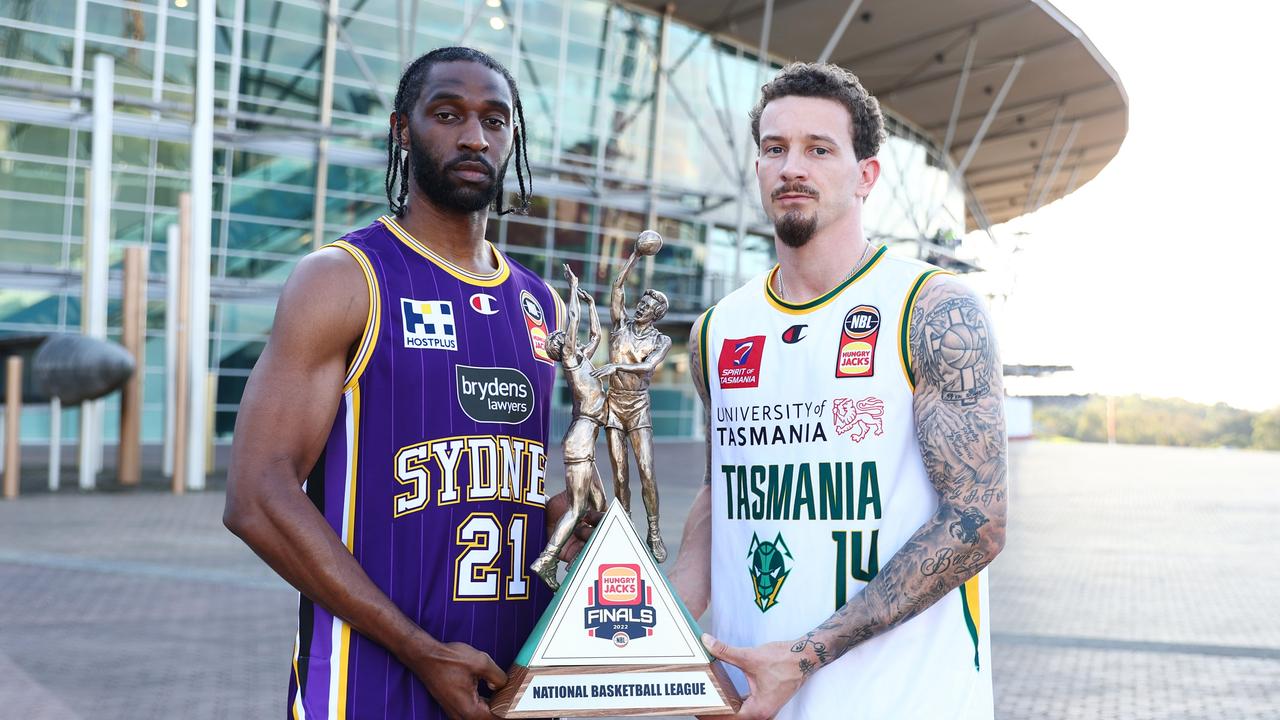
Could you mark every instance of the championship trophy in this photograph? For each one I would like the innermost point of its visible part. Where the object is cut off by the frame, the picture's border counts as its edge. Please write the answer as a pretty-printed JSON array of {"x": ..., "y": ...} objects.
[{"x": 616, "y": 639}]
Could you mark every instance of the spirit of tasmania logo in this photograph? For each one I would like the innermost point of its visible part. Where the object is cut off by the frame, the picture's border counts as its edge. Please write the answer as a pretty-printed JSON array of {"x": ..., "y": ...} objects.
[
  {"x": 620, "y": 605},
  {"x": 740, "y": 362},
  {"x": 768, "y": 571}
]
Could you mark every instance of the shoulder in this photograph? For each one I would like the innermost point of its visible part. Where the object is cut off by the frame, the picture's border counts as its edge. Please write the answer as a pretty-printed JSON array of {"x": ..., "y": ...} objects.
[
  {"x": 951, "y": 334},
  {"x": 326, "y": 299}
]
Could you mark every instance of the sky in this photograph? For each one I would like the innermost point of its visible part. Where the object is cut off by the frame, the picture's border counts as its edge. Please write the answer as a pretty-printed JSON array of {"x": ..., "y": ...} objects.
[{"x": 1158, "y": 276}]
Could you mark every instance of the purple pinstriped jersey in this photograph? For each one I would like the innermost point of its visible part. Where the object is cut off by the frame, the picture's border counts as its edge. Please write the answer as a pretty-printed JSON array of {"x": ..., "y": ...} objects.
[{"x": 434, "y": 472}]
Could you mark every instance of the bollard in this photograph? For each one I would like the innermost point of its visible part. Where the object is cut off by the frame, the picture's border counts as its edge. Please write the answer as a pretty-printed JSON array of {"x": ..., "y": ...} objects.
[{"x": 12, "y": 426}]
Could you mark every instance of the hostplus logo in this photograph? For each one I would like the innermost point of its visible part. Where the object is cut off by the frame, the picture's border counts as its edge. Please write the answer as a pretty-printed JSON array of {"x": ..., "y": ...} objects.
[{"x": 429, "y": 324}]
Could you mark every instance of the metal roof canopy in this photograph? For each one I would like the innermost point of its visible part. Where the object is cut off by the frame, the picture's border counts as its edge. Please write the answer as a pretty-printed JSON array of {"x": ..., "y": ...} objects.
[{"x": 1029, "y": 106}]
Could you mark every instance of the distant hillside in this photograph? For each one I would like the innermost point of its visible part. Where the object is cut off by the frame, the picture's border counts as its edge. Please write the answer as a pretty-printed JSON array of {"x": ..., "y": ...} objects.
[{"x": 1157, "y": 421}]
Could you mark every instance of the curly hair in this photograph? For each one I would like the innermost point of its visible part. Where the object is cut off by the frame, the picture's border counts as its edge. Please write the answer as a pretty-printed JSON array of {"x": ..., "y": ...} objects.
[
  {"x": 411, "y": 83},
  {"x": 834, "y": 83}
]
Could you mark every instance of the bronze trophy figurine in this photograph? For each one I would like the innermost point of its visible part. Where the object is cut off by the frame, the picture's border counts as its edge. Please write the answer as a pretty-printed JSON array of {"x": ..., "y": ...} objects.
[
  {"x": 590, "y": 411},
  {"x": 616, "y": 640},
  {"x": 636, "y": 349}
]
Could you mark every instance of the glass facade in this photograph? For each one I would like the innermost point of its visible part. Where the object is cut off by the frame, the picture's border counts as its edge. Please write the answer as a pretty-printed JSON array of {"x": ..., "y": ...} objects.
[{"x": 634, "y": 121}]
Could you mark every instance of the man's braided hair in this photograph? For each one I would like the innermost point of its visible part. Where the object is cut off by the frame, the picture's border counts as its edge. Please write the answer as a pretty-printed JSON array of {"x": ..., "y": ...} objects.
[{"x": 411, "y": 82}]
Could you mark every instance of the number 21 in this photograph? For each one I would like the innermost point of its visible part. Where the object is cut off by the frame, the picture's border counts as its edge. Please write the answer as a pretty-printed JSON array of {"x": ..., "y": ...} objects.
[{"x": 476, "y": 575}]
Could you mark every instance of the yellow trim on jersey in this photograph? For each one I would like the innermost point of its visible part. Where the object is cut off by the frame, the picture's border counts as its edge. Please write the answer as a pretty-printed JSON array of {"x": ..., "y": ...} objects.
[
  {"x": 971, "y": 602},
  {"x": 373, "y": 321},
  {"x": 822, "y": 300},
  {"x": 296, "y": 710},
  {"x": 490, "y": 280},
  {"x": 904, "y": 324},
  {"x": 348, "y": 539}
]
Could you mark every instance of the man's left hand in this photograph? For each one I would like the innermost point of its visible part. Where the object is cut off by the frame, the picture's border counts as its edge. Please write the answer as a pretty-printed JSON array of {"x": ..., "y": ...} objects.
[{"x": 772, "y": 670}]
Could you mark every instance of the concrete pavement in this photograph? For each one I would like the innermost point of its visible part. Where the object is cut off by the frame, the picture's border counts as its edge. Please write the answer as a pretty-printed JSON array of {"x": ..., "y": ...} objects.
[{"x": 1136, "y": 583}]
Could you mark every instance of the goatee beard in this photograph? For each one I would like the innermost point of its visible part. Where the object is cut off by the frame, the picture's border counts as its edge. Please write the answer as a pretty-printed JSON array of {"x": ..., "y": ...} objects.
[
  {"x": 794, "y": 228},
  {"x": 432, "y": 177}
]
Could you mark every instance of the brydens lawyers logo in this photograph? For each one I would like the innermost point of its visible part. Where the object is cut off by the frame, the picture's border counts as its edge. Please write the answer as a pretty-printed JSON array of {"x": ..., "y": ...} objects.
[
  {"x": 619, "y": 605},
  {"x": 740, "y": 362},
  {"x": 857, "y": 353},
  {"x": 536, "y": 323},
  {"x": 484, "y": 304},
  {"x": 429, "y": 324},
  {"x": 494, "y": 394}
]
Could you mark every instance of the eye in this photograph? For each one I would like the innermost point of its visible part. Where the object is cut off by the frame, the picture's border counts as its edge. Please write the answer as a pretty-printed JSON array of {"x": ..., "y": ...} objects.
[
  {"x": 821, "y": 151},
  {"x": 770, "y": 150},
  {"x": 496, "y": 122},
  {"x": 444, "y": 115}
]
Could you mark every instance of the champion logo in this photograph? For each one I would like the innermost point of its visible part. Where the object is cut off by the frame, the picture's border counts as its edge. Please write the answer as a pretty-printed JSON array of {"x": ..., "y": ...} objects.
[
  {"x": 793, "y": 334},
  {"x": 484, "y": 304}
]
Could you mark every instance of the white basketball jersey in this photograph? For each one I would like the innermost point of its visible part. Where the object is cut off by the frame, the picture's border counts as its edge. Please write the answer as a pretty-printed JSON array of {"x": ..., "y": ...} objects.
[{"x": 817, "y": 480}]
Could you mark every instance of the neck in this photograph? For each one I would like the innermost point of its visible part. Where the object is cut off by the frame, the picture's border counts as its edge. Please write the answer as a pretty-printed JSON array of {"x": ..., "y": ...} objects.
[
  {"x": 456, "y": 236},
  {"x": 824, "y": 262}
]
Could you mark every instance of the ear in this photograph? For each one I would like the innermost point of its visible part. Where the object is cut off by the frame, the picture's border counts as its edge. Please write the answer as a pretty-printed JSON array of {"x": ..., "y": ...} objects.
[
  {"x": 399, "y": 129},
  {"x": 868, "y": 173}
]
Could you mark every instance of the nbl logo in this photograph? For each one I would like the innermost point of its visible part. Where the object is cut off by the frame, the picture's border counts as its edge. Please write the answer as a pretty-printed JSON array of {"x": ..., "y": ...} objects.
[{"x": 619, "y": 605}]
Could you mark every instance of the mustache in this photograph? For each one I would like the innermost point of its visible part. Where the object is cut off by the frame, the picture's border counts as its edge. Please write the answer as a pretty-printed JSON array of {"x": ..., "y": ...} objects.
[
  {"x": 795, "y": 189},
  {"x": 479, "y": 159}
]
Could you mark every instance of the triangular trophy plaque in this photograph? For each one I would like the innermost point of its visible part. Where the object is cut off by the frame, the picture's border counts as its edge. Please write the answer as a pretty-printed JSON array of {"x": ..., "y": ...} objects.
[{"x": 616, "y": 640}]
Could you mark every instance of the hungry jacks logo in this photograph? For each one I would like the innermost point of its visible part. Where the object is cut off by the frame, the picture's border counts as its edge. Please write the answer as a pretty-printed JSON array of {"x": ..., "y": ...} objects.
[{"x": 619, "y": 605}]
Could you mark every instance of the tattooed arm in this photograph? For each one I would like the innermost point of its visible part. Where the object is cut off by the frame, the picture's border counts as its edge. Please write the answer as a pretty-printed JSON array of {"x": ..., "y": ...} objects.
[
  {"x": 959, "y": 415},
  {"x": 691, "y": 573}
]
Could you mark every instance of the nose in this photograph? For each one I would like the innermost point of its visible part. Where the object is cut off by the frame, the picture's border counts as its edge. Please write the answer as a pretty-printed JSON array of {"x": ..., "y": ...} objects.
[
  {"x": 793, "y": 168},
  {"x": 472, "y": 136}
]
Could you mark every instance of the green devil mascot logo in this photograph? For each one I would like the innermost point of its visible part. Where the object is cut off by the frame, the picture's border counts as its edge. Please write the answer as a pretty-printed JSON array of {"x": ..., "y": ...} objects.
[{"x": 768, "y": 571}]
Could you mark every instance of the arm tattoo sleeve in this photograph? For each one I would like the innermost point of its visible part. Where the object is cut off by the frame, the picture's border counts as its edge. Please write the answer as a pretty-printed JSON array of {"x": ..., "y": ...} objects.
[{"x": 959, "y": 413}]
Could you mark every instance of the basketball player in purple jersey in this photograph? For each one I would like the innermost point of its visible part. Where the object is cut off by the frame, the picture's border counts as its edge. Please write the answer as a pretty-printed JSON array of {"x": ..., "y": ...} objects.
[{"x": 389, "y": 456}]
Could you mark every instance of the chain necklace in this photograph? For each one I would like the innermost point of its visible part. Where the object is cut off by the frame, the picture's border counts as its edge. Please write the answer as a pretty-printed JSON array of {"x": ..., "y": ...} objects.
[{"x": 782, "y": 292}]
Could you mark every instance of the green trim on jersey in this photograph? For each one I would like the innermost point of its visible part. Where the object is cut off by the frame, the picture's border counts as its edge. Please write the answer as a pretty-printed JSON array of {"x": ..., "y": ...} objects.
[
  {"x": 973, "y": 628},
  {"x": 824, "y": 299},
  {"x": 703, "y": 332},
  {"x": 904, "y": 329}
]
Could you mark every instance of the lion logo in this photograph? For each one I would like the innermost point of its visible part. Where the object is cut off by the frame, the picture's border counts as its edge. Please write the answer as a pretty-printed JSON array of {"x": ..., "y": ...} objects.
[{"x": 858, "y": 418}]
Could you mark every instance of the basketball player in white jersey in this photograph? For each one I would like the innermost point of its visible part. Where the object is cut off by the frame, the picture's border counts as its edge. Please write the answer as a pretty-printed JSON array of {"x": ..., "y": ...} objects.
[{"x": 856, "y": 446}]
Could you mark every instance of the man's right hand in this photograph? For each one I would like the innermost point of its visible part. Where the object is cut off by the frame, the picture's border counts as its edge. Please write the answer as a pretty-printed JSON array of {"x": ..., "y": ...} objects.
[{"x": 451, "y": 672}]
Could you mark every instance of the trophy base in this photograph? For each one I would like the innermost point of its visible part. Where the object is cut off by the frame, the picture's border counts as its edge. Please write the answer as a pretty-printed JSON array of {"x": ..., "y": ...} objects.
[{"x": 605, "y": 690}]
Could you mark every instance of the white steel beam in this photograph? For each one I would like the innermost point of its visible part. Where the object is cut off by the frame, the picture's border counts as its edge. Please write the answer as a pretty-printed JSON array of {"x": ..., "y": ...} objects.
[
  {"x": 960, "y": 88},
  {"x": 838, "y": 33},
  {"x": 94, "y": 303},
  {"x": 201, "y": 226},
  {"x": 1057, "y": 164},
  {"x": 976, "y": 142},
  {"x": 1044, "y": 154}
]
